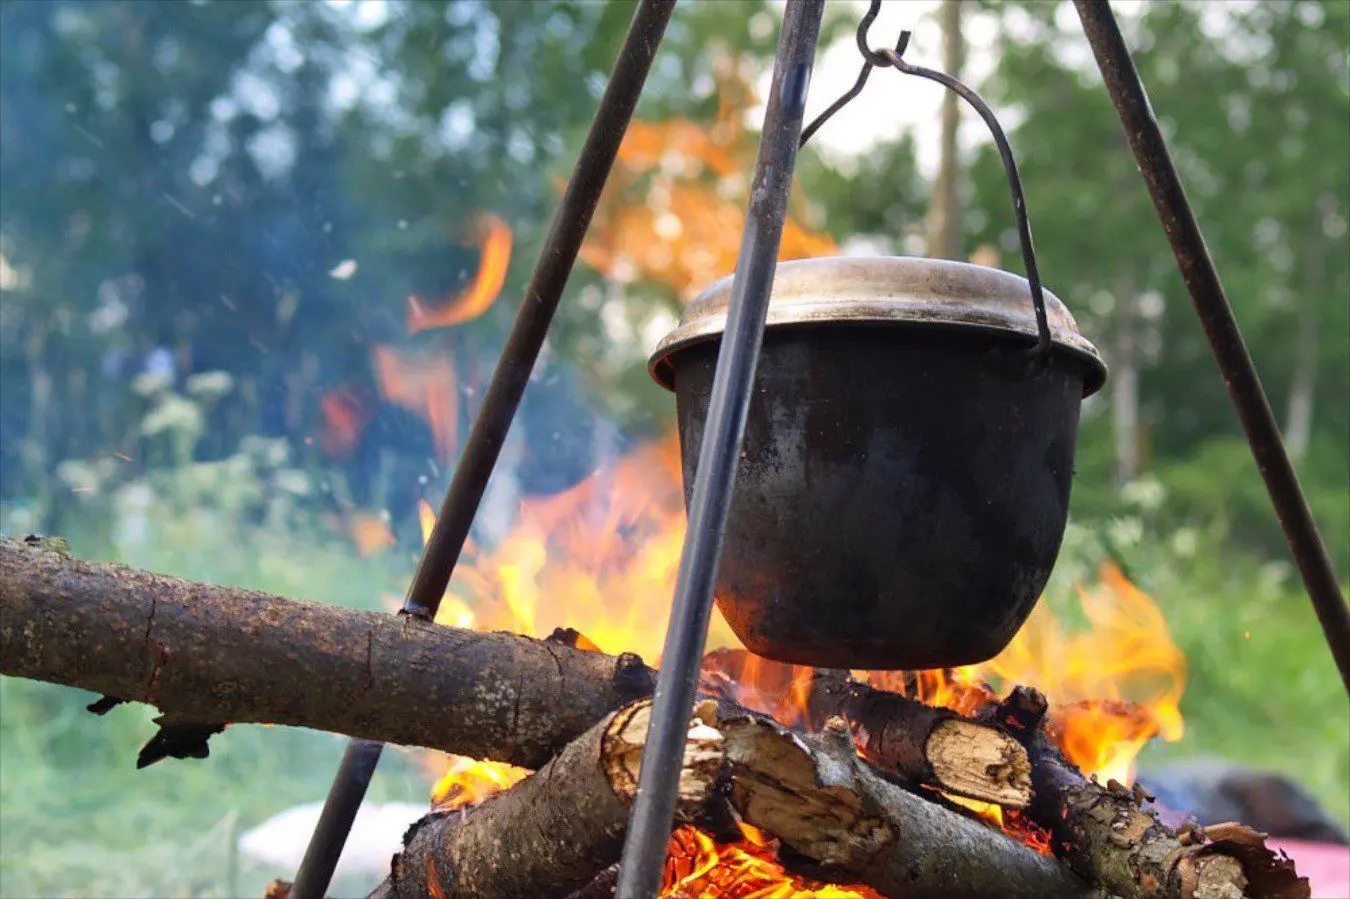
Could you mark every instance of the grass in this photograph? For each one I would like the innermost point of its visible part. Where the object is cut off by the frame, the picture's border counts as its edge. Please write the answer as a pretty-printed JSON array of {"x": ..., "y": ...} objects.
[{"x": 77, "y": 819}]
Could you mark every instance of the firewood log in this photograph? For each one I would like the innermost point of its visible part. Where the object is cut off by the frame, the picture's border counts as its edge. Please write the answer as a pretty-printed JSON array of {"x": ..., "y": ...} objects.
[
  {"x": 920, "y": 744},
  {"x": 556, "y": 830},
  {"x": 1103, "y": 833},
  {"x": 219, "y": 654},
  {"x": 216, "y": 654},
  {"x": 926, "y": 745}
]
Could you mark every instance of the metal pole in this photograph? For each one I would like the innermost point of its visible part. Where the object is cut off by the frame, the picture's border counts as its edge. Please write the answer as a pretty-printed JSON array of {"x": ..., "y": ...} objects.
[
  {"x": 335, "y": 821},
  {"x": 500, "y": 403},
  {"x": 644, "y": 850},
  {"x": 1216, "y": 316}
]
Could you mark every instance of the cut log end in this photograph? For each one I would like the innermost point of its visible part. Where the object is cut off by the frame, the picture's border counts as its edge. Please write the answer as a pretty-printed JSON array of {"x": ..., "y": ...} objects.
[
  {"x": 980, "y": 762},
  {"x": 626, "y": 737},
  {"x": 1216, "y": 877}
]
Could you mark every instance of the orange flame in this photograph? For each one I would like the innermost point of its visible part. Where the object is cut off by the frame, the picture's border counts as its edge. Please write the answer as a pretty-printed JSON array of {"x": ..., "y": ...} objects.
[
  {"x": 600, "y": 558},
  {"x": 676, "y": 201},
  {"x": 698, "y": 866},
  {"x": 1113, "y": 686},
  {"x": 370, "y": 533},
  {"x": 1116, "y": 684},
  {"x": 493, "y": 260},
  {"x": 426, "y": 385},
  {"x": 345, "y": 415}
]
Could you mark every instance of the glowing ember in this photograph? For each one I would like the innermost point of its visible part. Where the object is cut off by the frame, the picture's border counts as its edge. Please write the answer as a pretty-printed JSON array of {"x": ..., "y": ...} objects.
[{"x": 697, "y": 866}]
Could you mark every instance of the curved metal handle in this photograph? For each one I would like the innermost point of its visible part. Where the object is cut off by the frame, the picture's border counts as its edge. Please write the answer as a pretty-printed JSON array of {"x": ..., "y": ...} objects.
[
  {"x": 893, "y": 59},
  {"x": 1014, "y": 184}
]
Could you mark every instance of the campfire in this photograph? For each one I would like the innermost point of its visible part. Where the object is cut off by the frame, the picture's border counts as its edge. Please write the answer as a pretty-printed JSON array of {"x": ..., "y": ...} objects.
[
  {"x": 796, "y": 782},
  {"x": 1022, "y": 767},
  {"x": 595, "y": 564}
]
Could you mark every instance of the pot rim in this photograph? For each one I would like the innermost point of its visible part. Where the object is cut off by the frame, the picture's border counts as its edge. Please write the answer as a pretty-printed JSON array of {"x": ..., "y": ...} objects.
[{"x": 887, "y": 290}]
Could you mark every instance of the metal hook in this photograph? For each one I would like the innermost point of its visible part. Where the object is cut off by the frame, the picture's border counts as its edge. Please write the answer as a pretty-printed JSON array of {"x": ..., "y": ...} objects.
[
  {"x": 871, "y": 59},
  {"x": 893, "y": 58},
  {"x": 874, "y": 57}
]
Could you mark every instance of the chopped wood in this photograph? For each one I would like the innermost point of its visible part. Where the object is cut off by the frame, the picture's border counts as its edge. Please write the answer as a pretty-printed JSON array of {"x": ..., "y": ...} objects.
[
  {"x": 217, "y": 654},
  {"x": 556, "y": 830},
  {"x": 1103, "y": 833},
  {"x": 559, "y": 829},
  {"x": 818, "y": 797},
  {"x": 926, "y": 745}
]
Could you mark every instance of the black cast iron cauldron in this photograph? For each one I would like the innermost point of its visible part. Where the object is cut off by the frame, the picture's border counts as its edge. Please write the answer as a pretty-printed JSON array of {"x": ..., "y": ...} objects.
[{"x": 904, "y": 483}]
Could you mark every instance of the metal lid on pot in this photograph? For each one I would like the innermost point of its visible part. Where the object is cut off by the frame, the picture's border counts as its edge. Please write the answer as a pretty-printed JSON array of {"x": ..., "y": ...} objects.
[{"x": 887, "y": 290}]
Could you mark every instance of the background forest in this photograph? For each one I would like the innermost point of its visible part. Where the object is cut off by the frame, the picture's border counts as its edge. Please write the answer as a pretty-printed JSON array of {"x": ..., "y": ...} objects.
[{"x": 257, "y": 258}]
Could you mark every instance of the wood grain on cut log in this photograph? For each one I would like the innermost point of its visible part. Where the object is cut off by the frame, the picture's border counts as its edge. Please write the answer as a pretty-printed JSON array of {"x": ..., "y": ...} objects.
[
  {"x": 925, "y": 745},
  {"x": 554, "y": 831},
  {"x": 815, "y": 795},
  {"x": 1104, "y": 835},
  {"x": 217, "y": 654}
]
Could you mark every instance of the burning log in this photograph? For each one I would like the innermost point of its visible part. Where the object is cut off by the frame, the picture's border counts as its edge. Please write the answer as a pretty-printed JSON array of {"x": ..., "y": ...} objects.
[
  {"x": 816, "y": 795},
  {"x": 214, "y": 654},
  {"x": 550, "y": 834},
  {"x": 1103, "y": 833},
  {"x": 926, "y": 745},
  {"x": 208, "y": 654},
  {"x": 921, "y": 744}
]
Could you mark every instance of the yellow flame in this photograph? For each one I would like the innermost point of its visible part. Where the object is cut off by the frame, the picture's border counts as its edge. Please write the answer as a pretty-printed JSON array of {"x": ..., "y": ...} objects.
[
  {"x": 426, "y": 519},
  {"x": 697, "y": 865},
  {"x": 469, "y": 781},
  {"x": 1113, "y": 686},
  {"x": 600, "y": 558}
]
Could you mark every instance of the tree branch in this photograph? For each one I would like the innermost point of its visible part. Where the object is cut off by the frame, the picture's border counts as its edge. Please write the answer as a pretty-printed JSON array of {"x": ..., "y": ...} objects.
[{"x": 217, "y": 654}]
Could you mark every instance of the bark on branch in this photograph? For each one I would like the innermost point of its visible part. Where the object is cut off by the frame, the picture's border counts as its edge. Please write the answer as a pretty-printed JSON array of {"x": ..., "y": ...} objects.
[
  {"x": 550, "y": 834},
  {"x": 1104, "y": 834},
  {"x": 215, "y": 654},
  {"x": 926, "y": 745}
]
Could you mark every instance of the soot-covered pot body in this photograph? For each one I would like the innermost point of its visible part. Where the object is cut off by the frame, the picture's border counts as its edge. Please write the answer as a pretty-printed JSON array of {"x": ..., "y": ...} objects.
[{"x": 904, "y": 482}]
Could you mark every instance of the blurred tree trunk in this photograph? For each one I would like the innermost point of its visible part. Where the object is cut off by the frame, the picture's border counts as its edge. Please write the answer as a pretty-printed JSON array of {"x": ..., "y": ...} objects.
[
  {"x": 34, "y": 451},
  {"x": 944, "y": 211},
  {"x": 1303, "y": 386},
  {"x": 1125, "y": 381}
]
